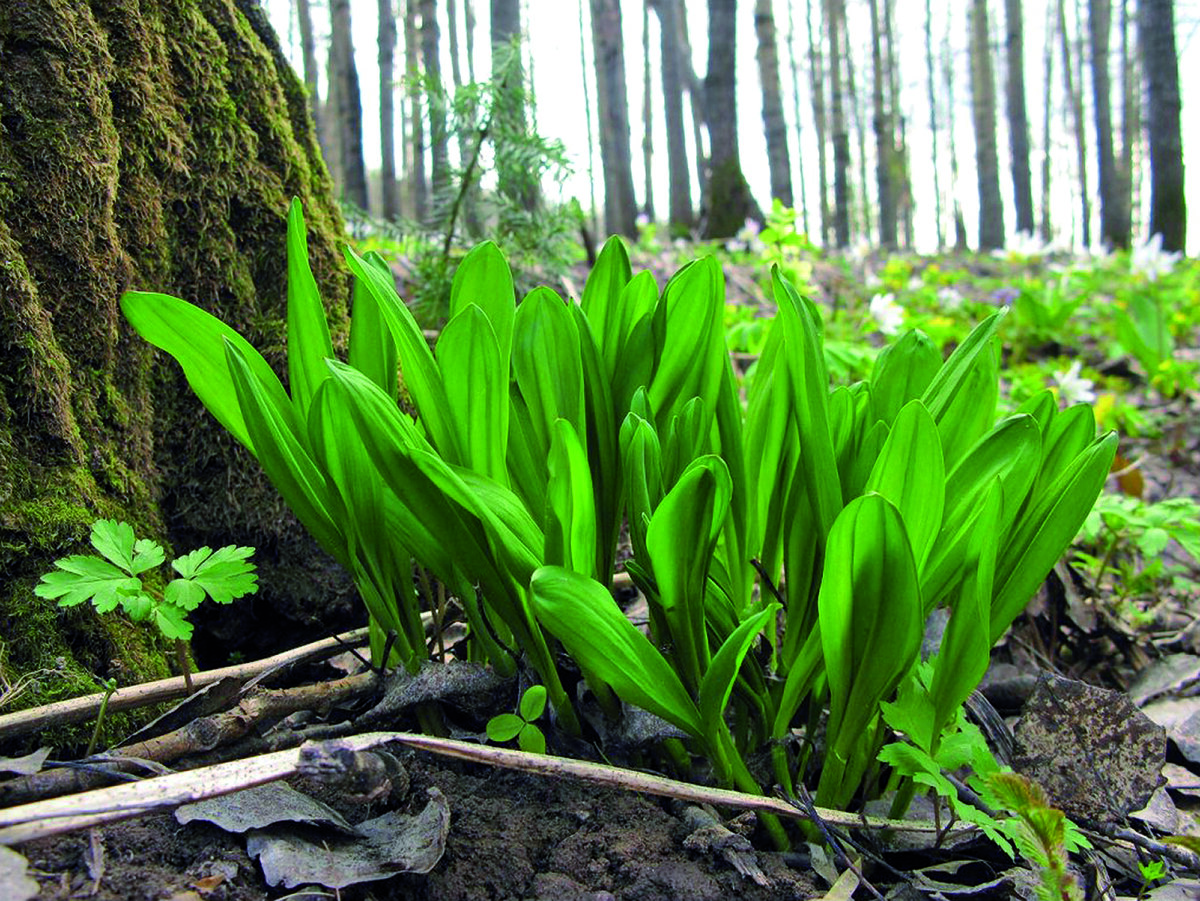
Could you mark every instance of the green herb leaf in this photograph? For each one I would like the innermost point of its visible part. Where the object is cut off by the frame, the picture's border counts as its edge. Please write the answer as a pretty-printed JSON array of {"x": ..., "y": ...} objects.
[
  {"x": 533, "y": 702},
  {"x": 172, "y": 622},
  {"x": 224, "y": 574},
  {"x": 115, "y": 541},
  {"x": 80, "y": 577},
  {"x": 504, "y": 727}
]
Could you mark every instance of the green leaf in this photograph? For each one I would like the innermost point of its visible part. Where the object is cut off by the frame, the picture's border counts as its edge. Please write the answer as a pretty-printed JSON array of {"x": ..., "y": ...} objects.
[
  {"x": 139, "y": 606},
  {"x": 680, "y": 540},
  {"x": 478, "y": 394},
  {"x": 903, "y": 370},
  {"x": 422, "y": 377},
  {"x": 224, "y": 574},
  {"x": 533, "y": 702},
  {"x": 504, "y": 727},
  {"x": 172, "y": 622},
  {"x": 372, "y": 347},
  {"x": 1046, "y": 529},
  {"x": 115, "y": 541},
  {"x": 871, "y": 614},
  {"x": 281, "y": 451},
  {"x": 80, "y": 578},
  {"x": 147, "y": 554},
  {"x": 910, "y": 473},
  {"x": 547, "y": 365},
  {"x": 531, "y": 740},
  {"x": 717, "y": 684},
  {"x": 583, "y": 616},
  {"x": 483, "y": 279},
  {"x": 601, "y": 300},
  {"x": 570, "y": 505},
  {"x": 184, "y": 593},
  {"x": 197, "y": 341},
  {"x": 307, "y": 329}
]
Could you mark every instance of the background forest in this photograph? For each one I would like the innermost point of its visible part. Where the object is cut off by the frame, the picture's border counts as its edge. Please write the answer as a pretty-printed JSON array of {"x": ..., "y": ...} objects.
[{"x": 902, "y": 125}]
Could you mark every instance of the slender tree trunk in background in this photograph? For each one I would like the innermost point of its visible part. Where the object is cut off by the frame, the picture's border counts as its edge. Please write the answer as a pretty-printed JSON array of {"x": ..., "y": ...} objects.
[
  {"x": 816, "y": 82},
  {"x": 505, "y": 28},
  {"x": 1114, "y": 230},
  {"x": 1131, "y": 127},
  {"x": 834, "y": 19},
  {"x": 730, "y": 203},
  {"x": 960, "y": 225},
  {"x": 308, "y": 52},
  {"x": 388, "y": 190},
  {"x": 774, "y": 122},
  {"x": 901, "y": 182},
  {"x": 439, "y": 141},
  {"x": 680, "y": 179},
  {"x": 795, "y": 70},
  {"x": 1047, "y": 82},
  {"x": 1075, "y": 99},
  {"x": 983, "y": 117},
  {"x": 1018, "y": 121},
  {"x": 469, "y": 28},
  {"x": 417, "y": 178},
  {"x": 933, "y": 125},
  {"x": 695, "y": 91},
  {"x": 593, "y": 212},
  {"x": 620, "y": 204},
  {"x": 1160, "y": 64},
  {"x": 881, "y": 119},
  {"x": 647, "y": 115},
  {"x": 860, "y": 134},
  {"x": 452, "y": 36},
  {"x": 331, "y": 142},
  {"x": 354, "y": 169}
]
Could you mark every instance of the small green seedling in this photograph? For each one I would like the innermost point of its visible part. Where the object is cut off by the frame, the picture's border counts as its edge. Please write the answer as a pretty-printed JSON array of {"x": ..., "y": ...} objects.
[
  {"x": 116, "y": 581},
  {"x": 507, "y": 726},
  {"x": 1151, "y": 872}
]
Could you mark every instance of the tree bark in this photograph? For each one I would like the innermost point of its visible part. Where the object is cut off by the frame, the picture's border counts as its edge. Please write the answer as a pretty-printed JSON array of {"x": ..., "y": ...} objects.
[
  {"x": 417, "y": 179},
  {"x": 1075, "y": 99},
  {"x": 1130, "y": 120},
  {"x": 647, "y": 115},
  {"x": 835, "y": 14},
  {"x": 983, "y": 117},
  {"x": 150, "y": 146},
  {"x": 679, "y": 184},
  {"x": 901, "y": 180},
  {"x": 349, "y": 118},
  {"x": 308, "y": 53},
  {"x": 730, "y": 203},
  {"x": 774, "y": 124},
  {"x": 1047, "y": 84},
  {"x": 593, "y": 209},
  {"x": 1114, "y": 230},
  {"x": 816, "y": 81},
  {"x": 506, "y": 40},
  {"x": 1160, "y": 63},
  {"x": 960, "y": 225},
  {"x": 1018, "y": 121},
  {"x": 860, "y": 135},
  {"x": 933, "y": 125},
  {"x": 795, "y": 70},
  {"x": 389, "y": 194},
  {"x": 433, "y": 91},
  {"x": 620, "y": 205},
  {"x": 884, "y": 139}
]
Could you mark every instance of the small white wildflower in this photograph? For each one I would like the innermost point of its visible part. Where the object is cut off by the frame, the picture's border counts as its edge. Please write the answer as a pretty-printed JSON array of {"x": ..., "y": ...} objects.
[
  {"x": 859, "y": 250},
  {"x": 872, "y": 279},
  {"x": 1072, "y": 388},
  {"x": 1151, "y": 260},
  {"x": 949, "y": 298},
  {"x": 888, "y": 314},
  {"x": 642, "y": 220},
  {"x": 748, "y": 236}
]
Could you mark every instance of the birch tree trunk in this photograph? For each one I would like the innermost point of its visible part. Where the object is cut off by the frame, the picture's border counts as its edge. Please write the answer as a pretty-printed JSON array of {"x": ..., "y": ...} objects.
[
  {"x": 774, "y": 123},
  {"x": 349, "y": 113},
  {"x": 884, "y": 140},
  {"x": 389, "y": 194},
  {"x": 679, "y": 184},
  {"x": 983, "y": 117},
  {"x": 620, "y": 205},
  {"x": 1018, "y": 121},
  {"x": 730, "y": 203},
  {"x": 1160, "y": 63}
]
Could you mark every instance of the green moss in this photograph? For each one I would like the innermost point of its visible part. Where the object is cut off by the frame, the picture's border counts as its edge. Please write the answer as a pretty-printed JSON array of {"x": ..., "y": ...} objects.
[{"x": 154, "y": 145}]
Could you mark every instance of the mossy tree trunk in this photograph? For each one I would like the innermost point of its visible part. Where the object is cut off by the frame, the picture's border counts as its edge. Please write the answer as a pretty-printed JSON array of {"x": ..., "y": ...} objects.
[{"x": 154, "y": 145}]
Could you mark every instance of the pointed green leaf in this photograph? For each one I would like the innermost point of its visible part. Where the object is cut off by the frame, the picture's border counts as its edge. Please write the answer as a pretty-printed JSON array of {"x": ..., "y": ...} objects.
[
  {"x": 307, "y": 328},
  {"x": 478, "y": 394},
  {"x": 903, "y": 370},
  {"x": 717, "y": 684},
  {"x": 570, "y": 506},
  {"x": 372, "y": 347}
]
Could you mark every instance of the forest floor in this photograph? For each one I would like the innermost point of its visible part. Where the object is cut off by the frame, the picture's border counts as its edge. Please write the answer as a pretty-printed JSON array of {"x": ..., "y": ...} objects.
[{"x": 522, "y": 836}]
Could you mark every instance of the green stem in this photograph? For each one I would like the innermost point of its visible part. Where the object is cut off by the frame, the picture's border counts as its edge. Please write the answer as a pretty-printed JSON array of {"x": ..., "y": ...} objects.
[
  {"x": 185, "y": 667},
  {"x": 110, "y": 688}
]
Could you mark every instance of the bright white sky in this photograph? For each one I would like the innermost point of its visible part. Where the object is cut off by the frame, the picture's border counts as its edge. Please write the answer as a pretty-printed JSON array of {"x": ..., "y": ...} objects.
[{"x": 553, "y": 29}]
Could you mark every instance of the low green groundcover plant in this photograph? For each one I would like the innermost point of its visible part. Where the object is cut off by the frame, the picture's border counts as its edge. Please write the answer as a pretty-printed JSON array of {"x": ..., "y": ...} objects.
[
  {"x": 117, "y": 579},
  {"x": 791, "y": 544}
]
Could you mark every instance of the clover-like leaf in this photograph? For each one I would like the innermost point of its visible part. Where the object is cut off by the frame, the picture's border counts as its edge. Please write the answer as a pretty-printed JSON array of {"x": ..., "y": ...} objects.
[
  {"x": 504, "y": 727},
  {"x": 172, "y": 622},
  {"x": 533, "y": 703},
  {"x": 115, "y": 541},
  {"x": 147, "y": 554},
  {"x": 224, "y": 574},
  {"x": 82, "y": 577},
  {"x": 184, "y": 594}
]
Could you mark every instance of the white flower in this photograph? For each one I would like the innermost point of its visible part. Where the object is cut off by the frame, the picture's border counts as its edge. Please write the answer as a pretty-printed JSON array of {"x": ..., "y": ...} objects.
[
  {"x": 1073, "y": 389},
  {"x": 872, "y": 279},
  {"x": 1024, "y": 244},
  {"x": 1150, "y": 259},
  {"x": 642, "y": 220},
  {"x": 747, "y": 238},
  {"x": 888, "y": 314},
  {"x": 949, "y": 298}
]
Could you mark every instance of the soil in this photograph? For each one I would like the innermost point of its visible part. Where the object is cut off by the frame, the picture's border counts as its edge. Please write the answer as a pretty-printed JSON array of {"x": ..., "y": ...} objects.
[{"x": 512, "y": 836}]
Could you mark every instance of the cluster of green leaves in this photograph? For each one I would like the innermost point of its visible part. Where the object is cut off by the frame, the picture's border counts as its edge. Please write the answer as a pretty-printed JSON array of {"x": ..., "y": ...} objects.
[
  {"x": 541, "y": 427},
  {"x": 522, "y": 724},
  {"x": 1128, "y": 537},
  {"x": 116, "y": 579}
]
